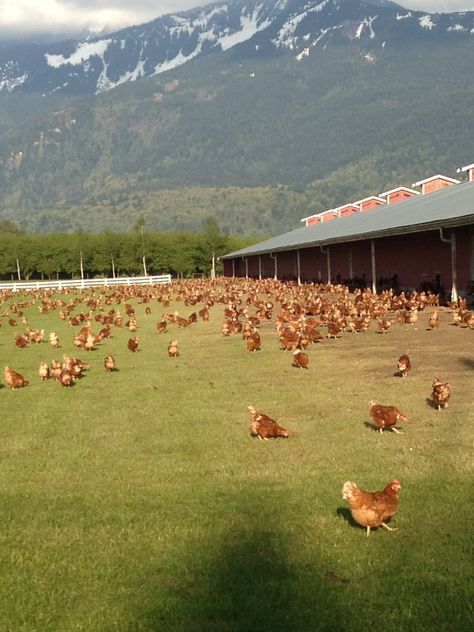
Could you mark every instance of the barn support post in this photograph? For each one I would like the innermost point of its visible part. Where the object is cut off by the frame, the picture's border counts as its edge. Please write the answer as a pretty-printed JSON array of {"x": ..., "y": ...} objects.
[
  {"x": 246, "y": 266},
  {"x": 259, "y": 267},
  {"x": 454, "y": 273},
  {"x": 374, "y": 267},
  {"x": 454, "y": 268},
  {"x": 275, "y": 259},
  {"x": 298, "y": 267},
  {"x": 233, "y": 268},
  {"x": 351, "y": 264}
]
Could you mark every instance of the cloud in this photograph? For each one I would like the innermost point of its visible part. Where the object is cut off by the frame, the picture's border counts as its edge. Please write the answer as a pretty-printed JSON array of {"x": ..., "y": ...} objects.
[
  {"x": 30, "y": 16},
  {"x": 53, "y": 15},
  {"x": 438, "y": 6}
]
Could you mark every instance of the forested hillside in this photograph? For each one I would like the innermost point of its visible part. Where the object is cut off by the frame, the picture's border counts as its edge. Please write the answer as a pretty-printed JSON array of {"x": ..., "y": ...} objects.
[{"x": 255, "y": 143}]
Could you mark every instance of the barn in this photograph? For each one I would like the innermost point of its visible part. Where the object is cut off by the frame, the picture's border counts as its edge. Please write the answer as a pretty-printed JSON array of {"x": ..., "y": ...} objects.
[{"x": 403, "y": 238}]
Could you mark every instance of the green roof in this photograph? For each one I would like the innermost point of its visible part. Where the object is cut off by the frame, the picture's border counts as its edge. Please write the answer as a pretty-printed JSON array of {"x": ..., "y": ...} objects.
[{"x": 451, "y": 206}]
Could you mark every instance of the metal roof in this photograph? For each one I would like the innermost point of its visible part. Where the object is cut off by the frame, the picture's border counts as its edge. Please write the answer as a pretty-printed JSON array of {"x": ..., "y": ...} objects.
[{"x": 451, "y": 206}]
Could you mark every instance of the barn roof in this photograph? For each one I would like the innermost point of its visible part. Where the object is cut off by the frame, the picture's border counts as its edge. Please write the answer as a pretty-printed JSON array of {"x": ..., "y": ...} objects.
[{"x": 452, "y": 206}]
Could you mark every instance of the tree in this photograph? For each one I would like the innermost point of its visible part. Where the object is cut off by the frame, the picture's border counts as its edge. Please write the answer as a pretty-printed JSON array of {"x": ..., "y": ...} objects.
[{"x": 211, "y": 245}]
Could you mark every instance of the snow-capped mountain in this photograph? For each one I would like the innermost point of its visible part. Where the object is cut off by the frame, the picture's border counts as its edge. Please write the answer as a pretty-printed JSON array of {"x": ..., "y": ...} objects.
[{"x": 99, "y": 64}]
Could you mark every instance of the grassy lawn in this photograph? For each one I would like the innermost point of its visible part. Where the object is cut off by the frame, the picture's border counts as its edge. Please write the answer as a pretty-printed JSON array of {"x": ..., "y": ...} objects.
[{"x": 137, "y": 500}]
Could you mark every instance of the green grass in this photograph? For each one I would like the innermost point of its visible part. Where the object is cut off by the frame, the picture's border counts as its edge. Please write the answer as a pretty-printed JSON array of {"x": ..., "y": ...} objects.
[{"x": 137, "y": 500}]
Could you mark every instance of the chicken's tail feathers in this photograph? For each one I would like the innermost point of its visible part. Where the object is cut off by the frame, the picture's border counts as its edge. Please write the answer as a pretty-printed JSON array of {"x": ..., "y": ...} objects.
[{"x": 348, "y": 490}]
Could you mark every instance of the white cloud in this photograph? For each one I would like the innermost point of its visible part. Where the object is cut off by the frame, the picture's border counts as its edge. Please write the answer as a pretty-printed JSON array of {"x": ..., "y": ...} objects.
[
  {"x": 49, "y": 15},
  {"x": 56, "y": 15},
  {"x": 438, "y": 6}
]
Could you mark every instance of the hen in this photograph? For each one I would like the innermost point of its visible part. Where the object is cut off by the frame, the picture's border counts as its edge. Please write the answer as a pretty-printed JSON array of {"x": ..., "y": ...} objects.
[
  {"x": 372, "y": 509},
  {"x": 300, "y": 359},
  {"x": 385, "y": 417},
  {"x": 441, "y": 393},
  {"x": 133, "y": 344},
  {"x": 404, "y": 365},
  {"x": 173, "y": 351},
  {"x": 263, "y": 426},
  {"x": 109, "y": 363},
  {"x": 14, "y": 379}
]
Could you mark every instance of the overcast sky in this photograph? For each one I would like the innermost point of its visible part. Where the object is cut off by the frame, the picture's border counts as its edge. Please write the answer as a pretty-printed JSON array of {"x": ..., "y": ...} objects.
[{"x": 58, "y": 15}]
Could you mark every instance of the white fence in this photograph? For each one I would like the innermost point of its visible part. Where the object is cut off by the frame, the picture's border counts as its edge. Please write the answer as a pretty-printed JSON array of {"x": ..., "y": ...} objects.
[{"x": 20, "y": 286}]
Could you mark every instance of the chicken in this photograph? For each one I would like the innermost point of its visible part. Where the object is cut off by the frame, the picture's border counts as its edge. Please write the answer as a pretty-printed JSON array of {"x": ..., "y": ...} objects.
[
  {"x": 56, "y": 369},
  {"x": 109, "y": 363},
  {"x": 14, "y": 379},
  {"x": 264, "y": 427},
  {"x": 384, "y": 325},
  {"x": 441, "y": 393},
  {"x": 334, "y": 330},
  {"x": 65, "y": 377},
  {"x": 404, "y": 365},
  {"x": 162, "y": 326},
  {"x": 386, "y": 416},
  {"x": 173, "y": 350},
  {"x": 21, "y": 340},
  {"x": 372, "y": 509},
  {"x": 133, "y": 344},
  {"x": 54, "y": 340},
  {"x": 43, "y": 371},
  {"x": 300, "y": 359},
  {"x": 253, "y": 341},
  {"x": 434, "y": 320}
]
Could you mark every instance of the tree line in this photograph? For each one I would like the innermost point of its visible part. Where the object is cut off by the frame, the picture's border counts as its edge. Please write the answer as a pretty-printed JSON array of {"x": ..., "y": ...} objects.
[{"x": 72, "y": 255}]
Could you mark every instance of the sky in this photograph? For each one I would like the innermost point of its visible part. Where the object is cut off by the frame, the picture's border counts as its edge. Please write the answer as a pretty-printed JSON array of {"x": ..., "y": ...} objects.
[{"x": 30, "y": 16}]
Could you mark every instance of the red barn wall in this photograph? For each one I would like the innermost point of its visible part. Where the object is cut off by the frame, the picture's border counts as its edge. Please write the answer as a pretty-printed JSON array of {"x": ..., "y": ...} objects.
[
  {"x": 313, "y": 267},
  {"x": 414, "y": 258},
  {"x": 268, "y": 267}
]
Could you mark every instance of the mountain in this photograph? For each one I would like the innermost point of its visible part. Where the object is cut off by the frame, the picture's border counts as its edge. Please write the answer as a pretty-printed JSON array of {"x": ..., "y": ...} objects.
[
  {"x": 257, "y": 113},
  {"x": 98, "y": 64}
]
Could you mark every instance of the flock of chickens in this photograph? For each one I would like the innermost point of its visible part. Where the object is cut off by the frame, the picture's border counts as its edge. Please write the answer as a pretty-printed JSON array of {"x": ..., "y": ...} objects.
[{"x": 303, "y": 312}]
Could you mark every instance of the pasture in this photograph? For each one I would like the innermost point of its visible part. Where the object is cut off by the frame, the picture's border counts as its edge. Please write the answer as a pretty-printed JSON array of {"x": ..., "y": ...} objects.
[{"x": 136, "y": 501}]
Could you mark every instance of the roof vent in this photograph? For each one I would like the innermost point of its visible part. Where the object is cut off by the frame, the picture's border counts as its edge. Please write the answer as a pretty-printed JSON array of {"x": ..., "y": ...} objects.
[
  {"x": 398, "y": 195},
  {"x": 469, "y": 169},
  {"x": 435, "y": 183},
  {"x": 369, "y": 203}
]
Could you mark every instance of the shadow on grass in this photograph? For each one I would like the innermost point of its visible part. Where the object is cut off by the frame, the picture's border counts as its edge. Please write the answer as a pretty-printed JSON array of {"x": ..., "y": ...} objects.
[
  {"x": 251, "y": 582},
  {"x": 468, "y": 362},
  {"x": 431, "y": 403}
]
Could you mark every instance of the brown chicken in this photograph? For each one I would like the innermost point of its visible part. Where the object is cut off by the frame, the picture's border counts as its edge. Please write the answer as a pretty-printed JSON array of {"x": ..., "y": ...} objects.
[
  {"x": 162, "y": 326},
  {"x": 372, "y": 509},
  {"x": 65, "y": 377},
  {"x": 14, "y": 379},
  {"x": 334, "y": 330},
  {"x": 384, "y": 325},
  {"x": 21, "y": 340},
  {"x": 173, "y": 350},
  {"x": 109, "y": 363},
  {"x": 300, "y": 359},
  {"x": 133, "y": 344},
  {"x": 385, "y": 417},
  {"x": 441, "y": 393},
  {"x": 404, "y": 365},
  {"x": 434, "y": 320},
  {"x": 264, "y": 427},
  {"x": 253, "y": 342}
]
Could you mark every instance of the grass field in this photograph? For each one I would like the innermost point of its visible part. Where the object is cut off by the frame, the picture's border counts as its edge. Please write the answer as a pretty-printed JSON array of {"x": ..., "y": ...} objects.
[{"x": 137, "y": 500}]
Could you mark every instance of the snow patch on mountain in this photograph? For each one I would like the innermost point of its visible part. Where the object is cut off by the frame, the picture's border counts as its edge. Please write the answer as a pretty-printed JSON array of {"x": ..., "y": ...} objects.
[
  {"x": 83, "y": 52},
  {"x": 366, "y": 24},
  {"x": 426, "y": 22},
  {"x": 286, "y": 35}
]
